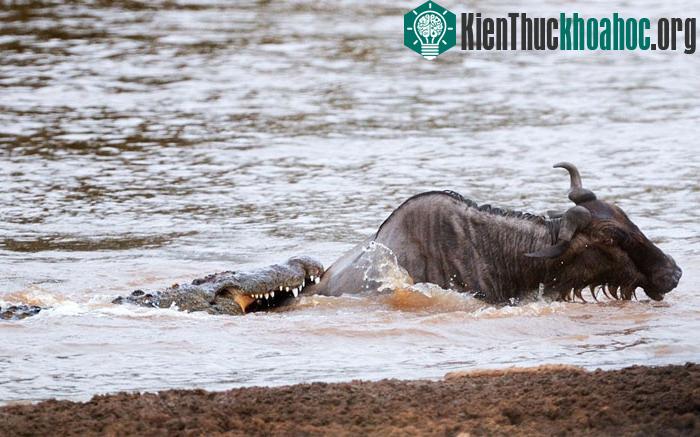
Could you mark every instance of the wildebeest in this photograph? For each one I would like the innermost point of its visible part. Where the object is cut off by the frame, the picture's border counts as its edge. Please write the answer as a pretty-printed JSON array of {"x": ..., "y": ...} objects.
[{"x": 442, "y": 238}]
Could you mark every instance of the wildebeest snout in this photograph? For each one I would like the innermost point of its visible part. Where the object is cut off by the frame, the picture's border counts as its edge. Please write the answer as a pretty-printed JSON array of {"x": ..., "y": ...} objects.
[{"x": 666, "y": 277}]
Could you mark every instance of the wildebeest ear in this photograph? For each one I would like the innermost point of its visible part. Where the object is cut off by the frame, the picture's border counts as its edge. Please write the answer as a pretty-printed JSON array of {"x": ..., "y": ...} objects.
[{"x": 574, "y": 219}]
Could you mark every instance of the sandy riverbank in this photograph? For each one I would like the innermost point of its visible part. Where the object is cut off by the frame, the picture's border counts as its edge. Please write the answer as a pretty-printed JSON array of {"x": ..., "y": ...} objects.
[{"x": 548, "y": 400}]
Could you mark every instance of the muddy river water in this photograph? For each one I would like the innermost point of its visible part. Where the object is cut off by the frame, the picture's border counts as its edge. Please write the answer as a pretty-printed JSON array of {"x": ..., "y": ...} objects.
[{"x": 143, "y": 144}]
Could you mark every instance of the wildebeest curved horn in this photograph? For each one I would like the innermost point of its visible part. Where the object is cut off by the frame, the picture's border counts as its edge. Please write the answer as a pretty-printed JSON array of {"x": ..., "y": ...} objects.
[
  {"x": 577, "y": 193},
  {"x": 551, "y": 251},
  {"x": 574, "y": 219}
]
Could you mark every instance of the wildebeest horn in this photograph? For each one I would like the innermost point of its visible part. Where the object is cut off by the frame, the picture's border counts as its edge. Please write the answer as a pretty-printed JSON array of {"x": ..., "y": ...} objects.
[
  {"x": 574, "y": 219},
  {"x": 577, "y": 193}
]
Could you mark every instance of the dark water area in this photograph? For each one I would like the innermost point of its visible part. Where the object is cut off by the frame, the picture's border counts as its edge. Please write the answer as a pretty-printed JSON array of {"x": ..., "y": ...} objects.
[{"x": 143, "y": 144}]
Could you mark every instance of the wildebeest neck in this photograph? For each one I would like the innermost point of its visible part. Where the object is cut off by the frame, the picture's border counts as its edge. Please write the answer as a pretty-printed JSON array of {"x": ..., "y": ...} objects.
[{"x": 503, "y": 238}]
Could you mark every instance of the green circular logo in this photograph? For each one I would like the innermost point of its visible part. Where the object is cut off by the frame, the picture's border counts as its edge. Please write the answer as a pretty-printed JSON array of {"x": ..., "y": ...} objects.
[{"x": 429, "y": 30}]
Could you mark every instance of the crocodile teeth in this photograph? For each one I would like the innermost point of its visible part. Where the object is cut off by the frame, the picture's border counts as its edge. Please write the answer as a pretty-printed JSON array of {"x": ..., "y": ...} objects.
[
  {"x": 281, "y": 288},
  {"x": 267, "y": 295},
  {"x": 312, "y": 277},
  {"x": 272, "y": 294},
  {"x": 286, "y": 288},
  {"x": 317, "y": 280},
  {"x": 295, "y": 292}
]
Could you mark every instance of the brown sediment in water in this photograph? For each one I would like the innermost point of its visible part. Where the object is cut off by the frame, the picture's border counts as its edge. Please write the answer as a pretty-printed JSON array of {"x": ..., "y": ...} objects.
[{"x": 550, "y": 400}]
